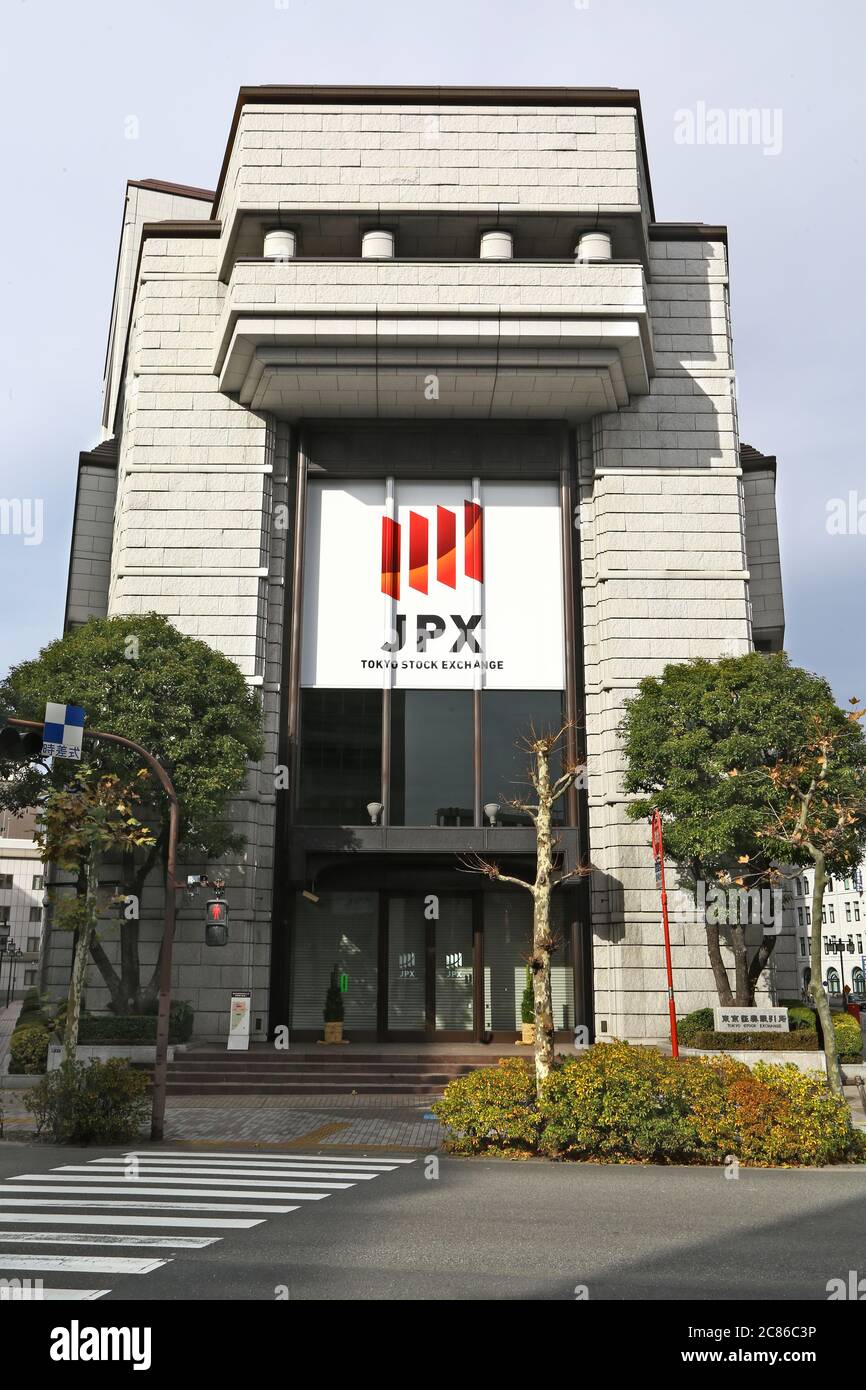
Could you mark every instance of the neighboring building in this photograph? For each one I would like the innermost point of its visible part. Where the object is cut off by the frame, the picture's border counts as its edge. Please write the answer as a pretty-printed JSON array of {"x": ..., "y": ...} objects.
[
  {"x": 843, "y": 930},
  {"x": 428, "y": 422},
  {"x": 21, "y": 895}
]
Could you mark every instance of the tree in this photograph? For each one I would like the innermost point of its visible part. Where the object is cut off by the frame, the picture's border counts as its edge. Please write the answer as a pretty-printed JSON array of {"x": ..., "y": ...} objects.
[
  {"x": 91, "y": 814},
  {"x": 817, "y": 809},
  {"x": 548, "y": 788},
  {"x": 183, "y": 701},
  {"x": 699, "y": 743}
]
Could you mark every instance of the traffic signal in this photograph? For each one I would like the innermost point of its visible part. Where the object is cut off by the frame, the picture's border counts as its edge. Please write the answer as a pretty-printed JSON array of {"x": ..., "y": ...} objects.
[
  {"x": 216, "y": 922},
  {"x": 19, "y": 745}
]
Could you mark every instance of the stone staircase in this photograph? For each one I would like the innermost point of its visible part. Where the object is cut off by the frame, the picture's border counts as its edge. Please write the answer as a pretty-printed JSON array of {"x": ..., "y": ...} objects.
[{"x": 325, "y": 1072}]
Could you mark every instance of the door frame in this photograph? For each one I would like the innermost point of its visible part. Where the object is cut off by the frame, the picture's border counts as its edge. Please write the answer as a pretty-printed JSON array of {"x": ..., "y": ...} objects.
[{"x": 430, "y": 1033}]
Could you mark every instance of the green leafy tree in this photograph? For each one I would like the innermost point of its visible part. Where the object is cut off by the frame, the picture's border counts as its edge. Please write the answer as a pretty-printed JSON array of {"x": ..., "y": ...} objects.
[
  {"x": 189, "y": 705},
  {"x": 817, "y": 812},
  {"x": 702, "y": 742},
  {"x": 81, "y": 821}
]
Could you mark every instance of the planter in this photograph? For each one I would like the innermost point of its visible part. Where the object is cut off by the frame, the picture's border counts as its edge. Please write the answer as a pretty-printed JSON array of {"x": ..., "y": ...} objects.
[
  {"x": 334, "y": 1032},
  {"x": 804, "y": 1061},
  {"x": 103, "y": 1052},
  {"x": 527, "y": 1034}
]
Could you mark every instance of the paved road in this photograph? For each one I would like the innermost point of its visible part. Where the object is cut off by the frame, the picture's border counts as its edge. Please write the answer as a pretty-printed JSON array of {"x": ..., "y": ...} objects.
[{"x": 318, "y": 1226}]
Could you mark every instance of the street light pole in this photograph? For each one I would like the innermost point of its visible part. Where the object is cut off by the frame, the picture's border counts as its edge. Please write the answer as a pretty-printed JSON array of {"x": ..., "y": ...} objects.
[{"x": 160, "y": 1068}]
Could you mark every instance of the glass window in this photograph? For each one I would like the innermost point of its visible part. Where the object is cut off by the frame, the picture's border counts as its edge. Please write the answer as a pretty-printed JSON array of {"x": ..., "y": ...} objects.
[
  {"x": 507, "y": 716},
  {"x": 33, "y": 943},
  {"x": 340, "y": 929},
  {"x": 29, "y": 977},
  {"x": 432, "y": 780},
  {"x": 809, "y": 917},
  {"x": 800, "y": 916},
  {"x": 832, "y": 913},
  {"x": 340, "y": 756},
  {"x": 847, "y": 912},
  {"x": 508, "y": 948},
  {"x": 4, "y": 914},
  {"x": 5, "y": 880},
  {"x": 38, "y": 882}
]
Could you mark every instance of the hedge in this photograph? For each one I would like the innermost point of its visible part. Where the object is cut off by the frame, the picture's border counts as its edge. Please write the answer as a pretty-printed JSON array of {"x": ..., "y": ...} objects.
[
  {"x": 802, "y": 1040},
  {"x": 95, "y": 1029},
  {"x": 619, "y": 1103}
]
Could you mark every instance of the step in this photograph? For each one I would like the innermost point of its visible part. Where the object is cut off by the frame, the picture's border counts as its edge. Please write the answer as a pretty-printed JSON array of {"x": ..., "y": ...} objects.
[{"x": 299, "y": 1088}]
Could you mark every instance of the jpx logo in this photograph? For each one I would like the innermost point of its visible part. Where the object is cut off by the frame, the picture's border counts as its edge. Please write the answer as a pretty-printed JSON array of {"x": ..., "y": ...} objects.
[{"x": 419, "y": 567}]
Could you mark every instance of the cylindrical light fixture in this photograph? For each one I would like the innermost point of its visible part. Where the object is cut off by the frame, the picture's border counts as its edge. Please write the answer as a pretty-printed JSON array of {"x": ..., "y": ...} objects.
[
  {"x": 593, "y": 246},
  {"x": 497, "y": 245},
  {"x": 280, "y": 244},
  {"x": 377, "y": 245}
]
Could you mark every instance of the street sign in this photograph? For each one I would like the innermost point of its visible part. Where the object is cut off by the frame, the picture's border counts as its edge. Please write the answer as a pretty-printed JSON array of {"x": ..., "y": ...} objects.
[
  {"x": 752, "y": 1019},
  {"x": 63, "y": 733},
  {"x": 239, "y": 1020}
]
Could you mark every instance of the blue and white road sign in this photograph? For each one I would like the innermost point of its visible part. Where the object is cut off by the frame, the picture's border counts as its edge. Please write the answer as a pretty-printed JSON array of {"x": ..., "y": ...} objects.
[{"x": 64, "y": 731}]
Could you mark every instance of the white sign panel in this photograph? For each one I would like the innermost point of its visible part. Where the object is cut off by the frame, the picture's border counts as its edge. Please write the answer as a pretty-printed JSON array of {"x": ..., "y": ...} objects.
[
  {"x": 239, "y": 1020},
  {"x": 432, "y": 587},
  {"x": 740, "y": 1019},
  {"x": 63, "y": 731}
]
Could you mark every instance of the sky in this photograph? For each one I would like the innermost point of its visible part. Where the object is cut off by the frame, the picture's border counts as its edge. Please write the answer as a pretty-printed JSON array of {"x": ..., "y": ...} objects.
[{"x": 792, "y": 197}]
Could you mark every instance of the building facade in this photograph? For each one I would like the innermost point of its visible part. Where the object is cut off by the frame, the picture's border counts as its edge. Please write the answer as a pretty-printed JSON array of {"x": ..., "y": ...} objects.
[
  {"x": 21, "y": 898},
  {"x": 843, "y": 931},
  {"x": 427, "y": 421}
]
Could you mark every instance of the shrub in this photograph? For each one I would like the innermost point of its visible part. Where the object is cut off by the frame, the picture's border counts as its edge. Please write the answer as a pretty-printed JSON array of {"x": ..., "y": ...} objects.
[
  {"x": 28, "y": 1050},
  {"x": 801, "y": 1016},
  {"x": 90, "y": 1103},
  {"x": 619, "y": 1103},
  {"x": 492, "y": 1109},
  {"x": 849, "y": 1038},
  {"x": 800, "y": 1041},
  {"x": 527, "y": 1003},
  {"x": 135, "y": 1028},
  {"x": 770, "y": 1115},
  {"x": 700, "y": 1021}
]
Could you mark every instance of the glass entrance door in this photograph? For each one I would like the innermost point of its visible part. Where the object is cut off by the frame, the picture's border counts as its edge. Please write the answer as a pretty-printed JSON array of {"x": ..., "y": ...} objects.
[{"x": 431, "y": 967}]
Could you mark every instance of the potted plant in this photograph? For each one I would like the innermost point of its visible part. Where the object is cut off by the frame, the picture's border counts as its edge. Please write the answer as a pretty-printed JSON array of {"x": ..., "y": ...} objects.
[
  {"x": 527, "y": 1012},
  {"x": 334, "y": 1009}
]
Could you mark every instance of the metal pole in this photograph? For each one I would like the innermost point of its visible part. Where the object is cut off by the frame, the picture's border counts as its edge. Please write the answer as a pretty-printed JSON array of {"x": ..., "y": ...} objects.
[
  {"x": 160, "y": 1067},
  {"x": 659, "y": 854}
]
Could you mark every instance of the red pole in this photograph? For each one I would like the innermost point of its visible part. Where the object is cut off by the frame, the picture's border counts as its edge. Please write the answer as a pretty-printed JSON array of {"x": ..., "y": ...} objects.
[
  {"x": 659, "y": 857},
  {"x": 160, "y": 1068}
]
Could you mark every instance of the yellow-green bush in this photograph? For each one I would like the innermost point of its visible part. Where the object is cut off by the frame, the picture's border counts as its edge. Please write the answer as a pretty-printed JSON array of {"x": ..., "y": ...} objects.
[
  {"x": 492, "y": 1108},
  {"x": 28, "y": 1049},
  {"x": 617, "y": 1103},
  {"x": 849, "y": 1037}
]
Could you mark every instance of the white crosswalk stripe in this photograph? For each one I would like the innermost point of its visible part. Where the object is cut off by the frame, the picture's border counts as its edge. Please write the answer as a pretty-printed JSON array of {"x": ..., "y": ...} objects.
[
  {"x": 356, "y": 1175},
  {"x": 79, "y": 1264},
  {"x": 128, "y": 1193},
  {"x": 131, "y": 1184},
  {"x": 238, "y": 1191},
  {"x": 77, "y": 1238},
  {"x": 36, "y": 1295}
]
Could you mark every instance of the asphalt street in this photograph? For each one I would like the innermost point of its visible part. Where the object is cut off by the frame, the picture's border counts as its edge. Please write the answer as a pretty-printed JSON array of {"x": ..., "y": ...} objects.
[{"x": 188, "y": 1223}]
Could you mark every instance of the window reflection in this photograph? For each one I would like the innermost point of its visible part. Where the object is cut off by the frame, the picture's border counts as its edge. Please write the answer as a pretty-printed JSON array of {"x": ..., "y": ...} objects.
[
  {"x": 432, "y": 780},
  {"x": 507, "y": 716}
]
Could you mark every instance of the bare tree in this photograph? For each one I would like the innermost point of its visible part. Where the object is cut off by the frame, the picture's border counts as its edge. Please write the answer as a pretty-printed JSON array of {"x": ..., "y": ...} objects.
[{"x": 548, "y": 790}]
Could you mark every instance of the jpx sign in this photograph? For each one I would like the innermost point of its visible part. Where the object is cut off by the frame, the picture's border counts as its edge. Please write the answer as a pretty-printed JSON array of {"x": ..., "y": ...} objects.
[{"x": 433, "y": 585}]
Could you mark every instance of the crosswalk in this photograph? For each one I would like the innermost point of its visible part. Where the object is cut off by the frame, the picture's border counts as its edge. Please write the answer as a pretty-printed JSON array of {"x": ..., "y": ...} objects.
[{"x": 140, "y": 1202}]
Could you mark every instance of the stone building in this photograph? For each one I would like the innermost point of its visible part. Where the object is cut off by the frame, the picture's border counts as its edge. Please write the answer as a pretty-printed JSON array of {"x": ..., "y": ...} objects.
[{"x": 427, "y": 421}]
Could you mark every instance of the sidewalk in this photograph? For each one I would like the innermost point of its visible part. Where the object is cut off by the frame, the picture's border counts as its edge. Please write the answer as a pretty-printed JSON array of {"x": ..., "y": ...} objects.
[{"x": 331, "y": 1122}]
